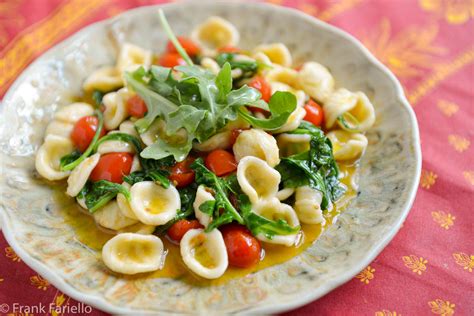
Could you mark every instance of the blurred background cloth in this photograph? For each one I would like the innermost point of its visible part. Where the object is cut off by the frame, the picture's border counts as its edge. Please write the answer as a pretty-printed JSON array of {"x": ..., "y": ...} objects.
[{"x": 428, "y": 44}]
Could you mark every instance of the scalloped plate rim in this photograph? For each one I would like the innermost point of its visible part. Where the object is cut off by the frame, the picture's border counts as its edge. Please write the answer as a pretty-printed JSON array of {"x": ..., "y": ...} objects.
[{"x": 99, "y": 302}]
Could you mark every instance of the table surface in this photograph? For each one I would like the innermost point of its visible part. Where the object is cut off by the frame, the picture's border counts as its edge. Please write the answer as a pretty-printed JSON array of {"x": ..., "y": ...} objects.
[{"x": 428, "y": 44}]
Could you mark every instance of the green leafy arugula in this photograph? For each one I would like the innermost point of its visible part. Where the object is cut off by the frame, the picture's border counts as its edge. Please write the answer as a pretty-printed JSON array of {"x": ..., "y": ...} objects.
[
  {"x": 187, "y": 196},
  {"x": 260, "y": 225},
  {"x": 98, "y": 194},
  {"x": 199, "y": 102},
  {"x": 221, "y": 209},
  {"x": 248, "y": 67},
  {"x": 315, "y": 167}
]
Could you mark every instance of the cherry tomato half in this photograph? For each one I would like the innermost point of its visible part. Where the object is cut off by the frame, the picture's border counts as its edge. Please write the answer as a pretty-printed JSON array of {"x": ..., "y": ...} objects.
[
  {"x": 84, "y": 131},
  {"x": 189, "y": 46},
  {"x": 221, "y": 162},
  {"x": 181, "y": 227},
  {"x": 243, "y": 249},
  {"x": 314, "y": 113},
  {"x": 170, "y": 60},
  {"x": 181, "y": 173},
  {"x": 112, "y": 167},
  {"x": 136, "y": 106},
  {"x": 229, "y": 49},
  {"x": 263, "y": 86}
]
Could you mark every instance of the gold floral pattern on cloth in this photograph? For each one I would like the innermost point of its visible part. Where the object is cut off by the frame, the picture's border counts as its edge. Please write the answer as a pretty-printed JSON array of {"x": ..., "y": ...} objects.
[
  {"x": 464, "y": 260},
  {"x": 409, "y": 52},
  {"x": 453, "y": 11},
  {"x": 386, "y": 312},
  {"x": 415, "y": 264},
  {"x": 58, "y": 303},
  {"x": 469, "y": 176},
  {"x": 39, "y": 282},
  {"x": 440, "y": 307},
  {"x": 447, "y": 108},
  {"x": 366, "y": 275},
  {"x": 445, "y": 220},
  {"x": 428, "y": 179},
  {"x": 459, "y": 143},
  {"x": 10, "y": 253}
]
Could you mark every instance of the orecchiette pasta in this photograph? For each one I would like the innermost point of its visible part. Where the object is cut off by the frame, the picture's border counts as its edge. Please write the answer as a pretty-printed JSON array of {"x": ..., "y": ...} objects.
[
  {"x": 257, "y": 143},
  {"x": 124, "y": 205},
  {"x": 284, "y": 75},
  {"x": 285, "y": 193},
  {"x": 49, "y": 156},
  {"x": 211, "y": 65},
  {"x": 153, "y": 204},
  {"x": 80, "y": 174},
  {"x": 73, "y": 112},
  {"x": 273, "y": 209},
  {"x": 110, "y": 216},
  {"x": 355, "y": 110},
  {"x": 263, "y": 59},
  {"x": 316, "y": 81},
  {"x": 293, "y": 121},
  {"x": 291, "y": 144},
  {"x": 202, "y": 196},
  {"x": 221, "y": 140},
  {"x": 278, "y": 53},
  {"x": 347, "y": 146},
  {"x": 115, "y": 146},
  {"x": 138, "y": 228},
  {"x": 59, "y": 129},
  {"x": 136, "y": 166},
  {"x": 115, "y": 108},
  {"x": 215, "y": 33},
  {"x": 204, "y": 253},
  {"x": 128, "y": 127},
  {"x": 104, "y": 79},
  {"x": 131, "y": 253},
  {"x": 257, "y": 179},
  {"x": 308, "y": 205},
  {"x": 131, "y": 57}
]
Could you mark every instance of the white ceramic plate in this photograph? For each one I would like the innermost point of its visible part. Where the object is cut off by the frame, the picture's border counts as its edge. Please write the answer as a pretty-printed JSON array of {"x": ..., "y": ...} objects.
[{"x": 388, "y": 176}]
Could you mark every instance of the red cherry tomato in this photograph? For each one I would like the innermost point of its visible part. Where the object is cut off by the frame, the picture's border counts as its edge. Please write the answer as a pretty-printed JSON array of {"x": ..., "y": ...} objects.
[
  {"x": 189, "y": 46},
  {"x": 136, "y": 106},
  {"x": 234, "y": 134},
  {"x": 243, "y": 249},
  {"x": 181, "y": 173},
  {"x": 112, "y": 167},
  {"x": 221, "y": 162},
  {"x": 181, "y": 227},
  {"x": 84, "y": 131},
  {"x": 263, "y": 86},
  {"x": 229, "y": 49},
  {"x": 314, "y": 113},
  {"x": 170, "y": 60}
]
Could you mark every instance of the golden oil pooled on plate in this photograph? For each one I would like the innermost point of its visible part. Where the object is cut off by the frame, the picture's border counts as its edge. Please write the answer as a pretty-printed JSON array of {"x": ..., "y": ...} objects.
[{"x": 88, "y": 233}]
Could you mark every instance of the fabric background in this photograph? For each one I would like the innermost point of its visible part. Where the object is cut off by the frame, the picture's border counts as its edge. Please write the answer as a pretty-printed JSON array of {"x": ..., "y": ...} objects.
[{"x": 428, "y": 44}]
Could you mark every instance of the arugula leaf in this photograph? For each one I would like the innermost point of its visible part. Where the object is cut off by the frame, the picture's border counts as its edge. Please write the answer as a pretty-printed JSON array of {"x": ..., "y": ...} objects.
[
  {"x": 121, "y": 137},
  {"x": 224, "y": 82},
  {"x": 173, "y": 38},
  {"x": 73, "y": 164},
  {"x": 97, "y": 194},
  {"x": 260, "y": 225},
  {"x": 69, "y": 158},
  {"x": 157, "y": 104},
  {"x": 187, "y": 196},
  {"x": 281, "y": 105},
  {"x": 248, "y": 67},
  {"x": 222, "y": 211},
  {"x": 154, "y": 170},
  {"x": 97, "y": 96},
  {"x": 315, "y": 167}
]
